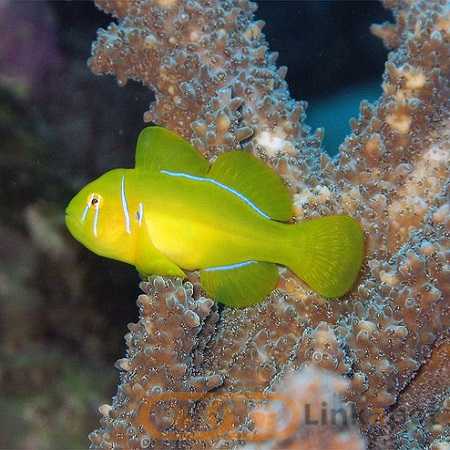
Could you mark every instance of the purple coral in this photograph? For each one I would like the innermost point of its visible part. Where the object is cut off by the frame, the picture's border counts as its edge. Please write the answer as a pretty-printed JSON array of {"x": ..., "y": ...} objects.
[{"x": 216, "y": 82}]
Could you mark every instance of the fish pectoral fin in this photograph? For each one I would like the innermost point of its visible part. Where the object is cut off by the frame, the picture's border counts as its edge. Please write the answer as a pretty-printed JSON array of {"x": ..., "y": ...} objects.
[
  {"x": 158, "y": 149},
  {"x": 159, "y": 266},
  {"x": 240, "y": 285},
  {"x": 257, "y": 181},
  {"x": 150, "y": 261}
]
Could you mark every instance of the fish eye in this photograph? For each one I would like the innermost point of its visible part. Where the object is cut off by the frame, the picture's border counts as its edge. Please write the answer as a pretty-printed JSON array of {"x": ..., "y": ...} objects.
[{"x": 94, "y": 200}]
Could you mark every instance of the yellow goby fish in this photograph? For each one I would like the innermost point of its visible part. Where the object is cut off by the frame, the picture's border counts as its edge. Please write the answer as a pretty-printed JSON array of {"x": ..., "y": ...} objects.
[{"x": 174, "y": 212}]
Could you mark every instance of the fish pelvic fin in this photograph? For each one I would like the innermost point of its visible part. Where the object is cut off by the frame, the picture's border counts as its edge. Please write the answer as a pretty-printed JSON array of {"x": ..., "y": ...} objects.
[{"x": 327, "y": 253}]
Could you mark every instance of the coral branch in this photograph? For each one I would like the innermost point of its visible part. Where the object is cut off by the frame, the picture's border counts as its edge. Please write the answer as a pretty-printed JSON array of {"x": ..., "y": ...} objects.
[
  {"x": 216, "y": 83},
  {"x": 163, "y": 349},
  {"x": 208, "y": 63}
]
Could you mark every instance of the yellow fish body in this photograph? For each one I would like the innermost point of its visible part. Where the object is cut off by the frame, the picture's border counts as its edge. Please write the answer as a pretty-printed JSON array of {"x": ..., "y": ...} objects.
[{"x": 174, "y": 213}]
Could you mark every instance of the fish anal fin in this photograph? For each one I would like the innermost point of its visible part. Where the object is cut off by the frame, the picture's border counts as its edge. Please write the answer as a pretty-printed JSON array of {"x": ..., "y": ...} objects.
[
  {"x": 254, "y": 179},
  {"x": 244, "y": 285},
  {"x": 158, "y": 149}
]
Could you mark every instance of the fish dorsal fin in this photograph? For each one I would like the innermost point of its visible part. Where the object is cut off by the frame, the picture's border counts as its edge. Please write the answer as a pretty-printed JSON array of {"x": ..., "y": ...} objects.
[
  {"x": 158, "y": 149},
  {"x": 255, "y": 180},
  {"x": 240, "y": 285}
]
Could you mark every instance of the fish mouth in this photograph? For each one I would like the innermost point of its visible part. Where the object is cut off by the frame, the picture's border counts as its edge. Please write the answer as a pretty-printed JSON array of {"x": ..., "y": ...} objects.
[
  {"x": 68, "y": 219},
  {"x": 74, "y": 227},
  {"x": 67, "y": 213},
  {"x": 72, "y": 221}
]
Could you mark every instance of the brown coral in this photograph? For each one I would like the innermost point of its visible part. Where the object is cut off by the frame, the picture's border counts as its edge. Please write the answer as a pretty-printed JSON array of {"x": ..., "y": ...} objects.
[
  {"x": 164, "y": 349},
  {"x": 215, "y": 80},
  {"x": 216, "y": 83}
]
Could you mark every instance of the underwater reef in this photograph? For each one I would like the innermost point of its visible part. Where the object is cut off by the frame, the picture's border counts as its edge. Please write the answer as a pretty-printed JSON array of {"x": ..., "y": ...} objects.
[{"x": 381, "y": 351}]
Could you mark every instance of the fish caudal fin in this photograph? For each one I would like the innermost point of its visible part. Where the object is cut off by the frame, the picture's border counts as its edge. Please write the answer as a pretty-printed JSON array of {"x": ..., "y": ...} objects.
[{"x": 327, "y": 253}]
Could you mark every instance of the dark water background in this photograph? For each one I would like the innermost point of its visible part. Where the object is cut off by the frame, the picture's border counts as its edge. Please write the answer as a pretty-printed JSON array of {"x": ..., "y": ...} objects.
[{"x": 63, "y": 310}]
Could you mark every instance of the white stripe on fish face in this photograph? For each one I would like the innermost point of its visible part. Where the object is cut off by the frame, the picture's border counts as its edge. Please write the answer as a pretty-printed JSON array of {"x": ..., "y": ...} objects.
[
  {"x": 95, "y": 222},
  {"x": 94, "y": 202},
  {"x": 85, "y": 212},
  {"x": 217, "y": 183},
  {"x": 123, "y": 197},
  {"x": 140, "y": 213}
]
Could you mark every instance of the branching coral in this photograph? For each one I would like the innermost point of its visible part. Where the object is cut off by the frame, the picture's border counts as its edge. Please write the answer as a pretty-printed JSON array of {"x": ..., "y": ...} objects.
[
  {"x": 214, "y": 78},
  {"x": 216, "y": 83},
  {"x": 164, "y": 350}
]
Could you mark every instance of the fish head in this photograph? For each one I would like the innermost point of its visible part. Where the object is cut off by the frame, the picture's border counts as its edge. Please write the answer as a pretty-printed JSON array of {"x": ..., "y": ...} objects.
[{"x": 100, "y": 216}]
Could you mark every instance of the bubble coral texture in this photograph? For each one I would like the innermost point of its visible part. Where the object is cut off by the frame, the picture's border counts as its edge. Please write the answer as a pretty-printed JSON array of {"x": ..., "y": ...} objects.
[{"x": 216, "y": 83}]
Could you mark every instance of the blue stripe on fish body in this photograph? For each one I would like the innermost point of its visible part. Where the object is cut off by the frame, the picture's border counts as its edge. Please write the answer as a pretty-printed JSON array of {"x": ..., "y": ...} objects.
[
  {"x": 217, "y": 183},
  {"x": 229, "y": 266}
]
